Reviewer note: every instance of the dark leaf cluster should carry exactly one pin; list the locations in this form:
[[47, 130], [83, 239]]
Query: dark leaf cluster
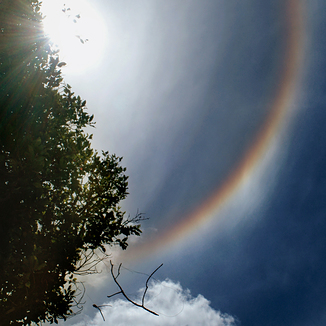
[[59, 198]]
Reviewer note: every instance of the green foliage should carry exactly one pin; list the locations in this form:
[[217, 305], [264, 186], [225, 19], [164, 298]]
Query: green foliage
[[59, 198]]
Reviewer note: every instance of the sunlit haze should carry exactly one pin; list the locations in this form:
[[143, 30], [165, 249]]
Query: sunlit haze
[[78, 30]]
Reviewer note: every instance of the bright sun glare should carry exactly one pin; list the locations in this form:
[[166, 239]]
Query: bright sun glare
[[78, 30]]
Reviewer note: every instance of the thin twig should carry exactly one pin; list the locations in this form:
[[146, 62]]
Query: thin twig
[[125, 295], [109, 296], [143, 299], [99, 309]]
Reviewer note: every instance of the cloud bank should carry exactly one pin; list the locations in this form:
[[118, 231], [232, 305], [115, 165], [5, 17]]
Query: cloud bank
[[174, 305]]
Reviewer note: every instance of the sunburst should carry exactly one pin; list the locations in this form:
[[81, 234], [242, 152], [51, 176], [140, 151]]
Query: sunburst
[[78, 30]]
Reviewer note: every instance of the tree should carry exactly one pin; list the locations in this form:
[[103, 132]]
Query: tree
[[59, 197]]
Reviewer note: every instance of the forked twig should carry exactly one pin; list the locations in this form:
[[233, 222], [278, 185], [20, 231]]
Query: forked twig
[[142, 305], [99, 309]]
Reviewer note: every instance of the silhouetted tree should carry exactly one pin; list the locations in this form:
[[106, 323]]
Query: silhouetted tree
[[59, 198]]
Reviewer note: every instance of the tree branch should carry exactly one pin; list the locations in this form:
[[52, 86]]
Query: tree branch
[[143, 299], [99, 308], [142, 305]]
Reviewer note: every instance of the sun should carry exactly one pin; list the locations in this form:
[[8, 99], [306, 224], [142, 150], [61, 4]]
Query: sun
[[78, 30]]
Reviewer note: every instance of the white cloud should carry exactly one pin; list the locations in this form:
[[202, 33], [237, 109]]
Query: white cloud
[[174, 305]]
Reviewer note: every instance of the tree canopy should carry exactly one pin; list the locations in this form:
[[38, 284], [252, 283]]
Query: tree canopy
[[59, 197]]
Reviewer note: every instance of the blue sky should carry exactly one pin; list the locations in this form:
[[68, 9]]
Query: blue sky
[[183, 90]]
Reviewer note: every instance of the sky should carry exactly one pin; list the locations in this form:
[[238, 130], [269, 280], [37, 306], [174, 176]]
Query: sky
[[217, 107]]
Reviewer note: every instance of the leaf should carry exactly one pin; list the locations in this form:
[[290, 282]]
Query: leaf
[[37, 185], [62, 163], [31, 150], [39, 267], [61, 64]]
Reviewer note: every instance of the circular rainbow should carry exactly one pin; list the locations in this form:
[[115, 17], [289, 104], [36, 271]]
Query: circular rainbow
[[282, 102]]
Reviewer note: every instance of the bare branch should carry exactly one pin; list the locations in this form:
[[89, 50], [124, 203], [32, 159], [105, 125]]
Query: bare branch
[[143, 299], [109, 296], [139, 217], [78, 304], [118, 269], [98, 307], [142, 305], [89, 259]]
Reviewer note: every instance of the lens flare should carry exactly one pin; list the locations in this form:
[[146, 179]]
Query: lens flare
[[78, 30]]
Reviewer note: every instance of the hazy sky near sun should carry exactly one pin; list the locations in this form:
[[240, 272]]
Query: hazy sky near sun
[[217, 108]]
